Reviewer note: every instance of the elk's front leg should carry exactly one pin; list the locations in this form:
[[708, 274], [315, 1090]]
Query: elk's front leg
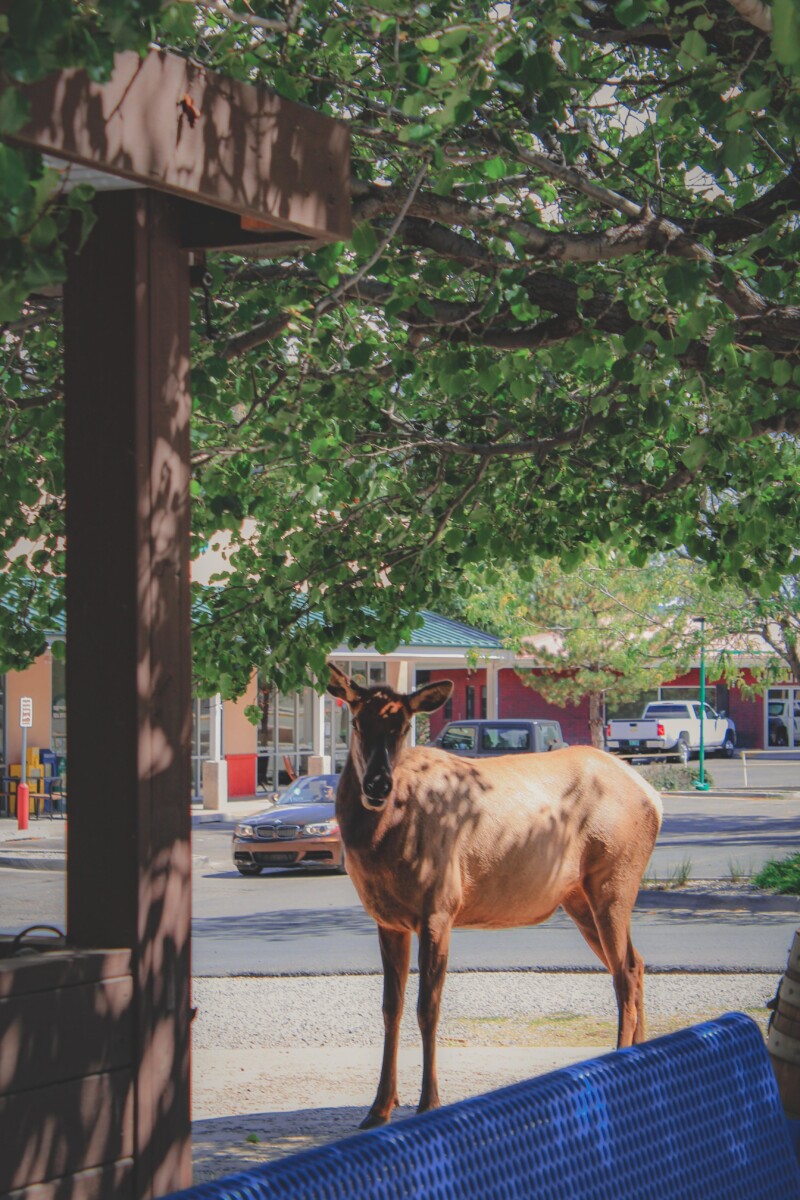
[[434, 945], [396, 956]]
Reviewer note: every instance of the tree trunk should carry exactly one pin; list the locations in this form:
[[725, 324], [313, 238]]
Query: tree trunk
[[596, 719]]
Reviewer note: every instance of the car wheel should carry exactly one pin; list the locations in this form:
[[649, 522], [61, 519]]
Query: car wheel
[[729, 745], [781, 736], [248, 870], [684, 753], [342, 867]]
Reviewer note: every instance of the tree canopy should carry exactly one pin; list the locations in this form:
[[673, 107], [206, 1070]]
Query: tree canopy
[[605, 632], [611, 632], [568, 319]]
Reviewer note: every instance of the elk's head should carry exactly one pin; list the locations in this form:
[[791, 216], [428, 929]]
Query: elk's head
[[381, 720]]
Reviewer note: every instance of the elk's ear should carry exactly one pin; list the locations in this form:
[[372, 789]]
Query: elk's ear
[[431, 696], [340, 685]]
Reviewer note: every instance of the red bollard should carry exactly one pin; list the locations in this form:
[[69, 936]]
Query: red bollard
[[23, 800]]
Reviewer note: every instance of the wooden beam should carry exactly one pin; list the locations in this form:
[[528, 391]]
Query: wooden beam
[[169, 124], [204, 228], [126, 314]]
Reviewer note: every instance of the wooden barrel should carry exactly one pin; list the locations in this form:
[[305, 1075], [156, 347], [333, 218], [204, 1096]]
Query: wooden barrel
[[783, 1041]]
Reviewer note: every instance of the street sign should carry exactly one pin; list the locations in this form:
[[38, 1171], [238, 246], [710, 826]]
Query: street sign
[[25, 712]]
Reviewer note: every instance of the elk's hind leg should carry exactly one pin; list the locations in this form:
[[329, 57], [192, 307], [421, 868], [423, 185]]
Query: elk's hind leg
[[396, 957], [578, 907], [611, 908]]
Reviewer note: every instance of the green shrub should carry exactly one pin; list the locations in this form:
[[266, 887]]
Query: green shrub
[[780, 875], [671, 777]]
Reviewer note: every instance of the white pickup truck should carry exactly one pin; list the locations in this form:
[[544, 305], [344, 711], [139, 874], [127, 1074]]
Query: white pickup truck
[[672, 727]]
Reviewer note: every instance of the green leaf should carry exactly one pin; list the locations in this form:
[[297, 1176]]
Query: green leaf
[[360, 354], [631, 12], [14, 111], [696, 452], [737, 150], [635, 338], [495, 168], [786, 32], [781, 372], [693, 49], [365, 240]]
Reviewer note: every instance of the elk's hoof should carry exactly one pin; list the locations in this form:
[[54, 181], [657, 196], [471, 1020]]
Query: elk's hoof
[[373, 1120]]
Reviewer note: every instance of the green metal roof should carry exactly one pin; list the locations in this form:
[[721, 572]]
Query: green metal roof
[[442, 633]]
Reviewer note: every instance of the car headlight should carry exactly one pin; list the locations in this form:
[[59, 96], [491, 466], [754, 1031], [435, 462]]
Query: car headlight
[[243, 831], [322, 829]]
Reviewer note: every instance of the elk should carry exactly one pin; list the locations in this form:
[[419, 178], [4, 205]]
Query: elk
[[435, 841]]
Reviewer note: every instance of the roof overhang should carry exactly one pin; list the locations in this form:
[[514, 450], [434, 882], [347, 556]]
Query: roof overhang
[[432, 657], [251, 168]]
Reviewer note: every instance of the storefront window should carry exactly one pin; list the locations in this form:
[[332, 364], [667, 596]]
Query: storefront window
[[337, 723], [285, 735], [783, 717], [689, 693], [201, 741]]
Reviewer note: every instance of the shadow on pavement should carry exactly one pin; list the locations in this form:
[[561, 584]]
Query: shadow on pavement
[[286, 925], [220, 1146]]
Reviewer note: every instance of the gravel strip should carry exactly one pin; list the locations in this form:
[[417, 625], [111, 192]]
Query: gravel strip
[[345, 1010]]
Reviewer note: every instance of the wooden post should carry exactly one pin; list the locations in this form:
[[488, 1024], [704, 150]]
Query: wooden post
[[128, 667]]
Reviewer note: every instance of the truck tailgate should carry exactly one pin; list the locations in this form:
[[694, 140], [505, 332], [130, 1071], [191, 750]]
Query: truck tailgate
[[633, 731]]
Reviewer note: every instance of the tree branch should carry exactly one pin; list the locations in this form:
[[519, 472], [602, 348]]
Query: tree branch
[[754, 11]]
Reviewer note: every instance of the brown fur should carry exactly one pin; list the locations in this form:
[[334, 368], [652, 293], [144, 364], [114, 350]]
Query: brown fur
[[485, 844]]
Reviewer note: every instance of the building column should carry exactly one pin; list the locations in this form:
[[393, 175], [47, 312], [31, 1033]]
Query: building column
[[492, 692], [215, 768], [411, 686], [127, 462], [319, 763]]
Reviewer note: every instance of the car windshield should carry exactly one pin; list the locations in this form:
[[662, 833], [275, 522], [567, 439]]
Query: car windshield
[[458, 737], [505, 737], [319, 789]]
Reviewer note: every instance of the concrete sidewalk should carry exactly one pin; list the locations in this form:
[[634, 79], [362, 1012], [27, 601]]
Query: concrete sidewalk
[[264, 1088]]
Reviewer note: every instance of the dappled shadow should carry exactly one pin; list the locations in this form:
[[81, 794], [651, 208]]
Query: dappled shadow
[[221, 1148], [685, 828], [286, 925]]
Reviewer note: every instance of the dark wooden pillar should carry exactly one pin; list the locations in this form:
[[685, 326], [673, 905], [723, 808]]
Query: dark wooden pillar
[[128, 666]]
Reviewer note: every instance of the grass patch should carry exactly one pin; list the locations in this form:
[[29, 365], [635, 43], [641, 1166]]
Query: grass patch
[[566, 1029], [781, 875], [737, 872], [678, 877], [672, 777]]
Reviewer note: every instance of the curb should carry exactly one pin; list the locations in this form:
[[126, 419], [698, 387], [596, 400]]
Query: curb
[[711, 900], [35, 860], [44, 860]]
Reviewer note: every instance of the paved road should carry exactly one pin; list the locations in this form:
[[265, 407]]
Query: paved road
[[285, 922]]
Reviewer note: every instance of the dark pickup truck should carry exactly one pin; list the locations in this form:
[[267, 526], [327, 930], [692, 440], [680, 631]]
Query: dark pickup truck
[[485, 739]]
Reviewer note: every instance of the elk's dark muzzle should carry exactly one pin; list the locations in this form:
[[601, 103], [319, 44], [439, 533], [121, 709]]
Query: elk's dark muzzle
[[377, 782]]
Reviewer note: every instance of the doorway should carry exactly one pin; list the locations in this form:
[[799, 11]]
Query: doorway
[[782, 717]]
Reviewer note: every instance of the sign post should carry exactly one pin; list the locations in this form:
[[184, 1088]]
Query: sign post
[[23, 794]]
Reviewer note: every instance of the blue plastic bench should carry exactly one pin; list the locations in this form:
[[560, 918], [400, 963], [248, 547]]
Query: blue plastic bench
[[695, 1115]]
